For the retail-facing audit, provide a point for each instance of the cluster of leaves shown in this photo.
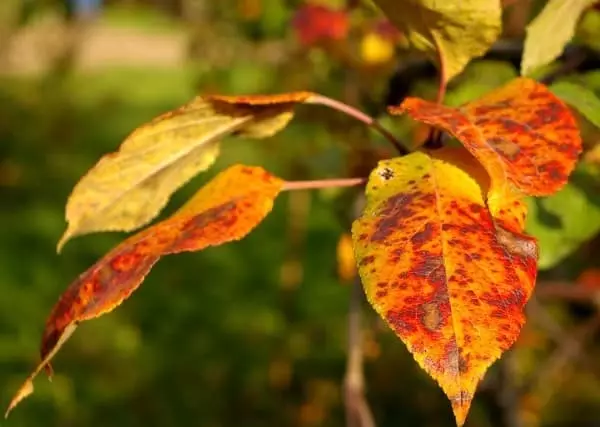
(440, 246)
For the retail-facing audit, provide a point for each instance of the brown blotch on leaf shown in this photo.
(516, 244)
(431, 318)
(423, 236)
(367, 260)
(395, 210)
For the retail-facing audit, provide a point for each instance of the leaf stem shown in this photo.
(323, 183)
(360, 116)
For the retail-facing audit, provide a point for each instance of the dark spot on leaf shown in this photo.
(386, 173)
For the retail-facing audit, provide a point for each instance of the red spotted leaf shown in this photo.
(226, 209)
(449, 278)
(524, 136)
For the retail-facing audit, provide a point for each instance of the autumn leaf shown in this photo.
(226, 209)
(127, 189)
(450, 32)
(524, 136)
(550, 31)
(447, 277)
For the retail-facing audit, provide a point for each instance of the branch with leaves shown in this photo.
(440, 245)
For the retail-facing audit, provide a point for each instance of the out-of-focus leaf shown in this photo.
(345, 258)
(550, 31)
(506, 130)
(579, 97)
(128, 188)
(564, 221)
(447, 278)
(316, 24)
(226, 209)
(450, 32)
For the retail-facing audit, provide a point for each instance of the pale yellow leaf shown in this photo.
(550, 31)
(127, 189)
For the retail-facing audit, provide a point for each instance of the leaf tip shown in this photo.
(460, 408)
(25, 390)
(64, 239)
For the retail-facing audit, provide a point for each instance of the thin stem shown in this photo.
(443, 77)
(323, 183)
(360, 116)
(358, 413)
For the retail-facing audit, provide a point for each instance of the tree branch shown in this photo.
(358, 413)
(360, 116)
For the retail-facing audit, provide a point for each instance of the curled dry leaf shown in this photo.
(226, 209)
(128, 188)
(450, 32)
(449, 279)
(524, 136)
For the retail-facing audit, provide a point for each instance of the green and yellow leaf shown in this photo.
(450, 32)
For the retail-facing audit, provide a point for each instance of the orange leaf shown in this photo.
(226, 209)
(449, 280)
(525, 137)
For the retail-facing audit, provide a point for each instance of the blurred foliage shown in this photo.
(250, 333)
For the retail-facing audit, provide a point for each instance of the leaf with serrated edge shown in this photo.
(506, 130)
(226, 209)
(127, 189)
(449, 280)
(550, 31)
(450, 32)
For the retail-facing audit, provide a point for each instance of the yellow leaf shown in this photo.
(449, 279)
(127, 189)
(458, 30)
(550, 31)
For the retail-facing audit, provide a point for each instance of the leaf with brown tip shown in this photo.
(127, 189)
(524, 136)
(448, 279)
(226, 209)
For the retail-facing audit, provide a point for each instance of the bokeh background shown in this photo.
(253, 333)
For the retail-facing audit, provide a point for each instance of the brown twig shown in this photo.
(323, 183)
(358, 413)
(571, 291)
(360, 116)
(551, 374)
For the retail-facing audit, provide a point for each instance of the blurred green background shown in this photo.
(252, 333)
